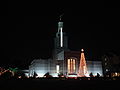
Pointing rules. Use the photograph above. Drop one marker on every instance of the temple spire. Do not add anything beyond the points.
(60, 30)
(61, 16)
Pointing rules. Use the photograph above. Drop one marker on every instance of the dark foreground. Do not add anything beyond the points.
(56, 84)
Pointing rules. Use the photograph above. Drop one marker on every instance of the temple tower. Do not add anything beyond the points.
(61, 40)
(60, 46)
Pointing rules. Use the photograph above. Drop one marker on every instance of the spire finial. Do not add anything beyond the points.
(61, 16)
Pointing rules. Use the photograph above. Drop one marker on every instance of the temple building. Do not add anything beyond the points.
(64, 60)
(111, 65)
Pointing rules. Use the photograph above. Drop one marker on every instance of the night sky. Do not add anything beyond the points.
(27, 31)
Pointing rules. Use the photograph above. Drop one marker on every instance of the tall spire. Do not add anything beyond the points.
(60, 23)
(83, 67)
(60, 30)
(61, 40)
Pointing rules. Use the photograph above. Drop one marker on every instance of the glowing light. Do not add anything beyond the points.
(61, 38)
(68, 65)
(57, 68)
(74, 65)
(82, 50)
(19, 77)
(116, 74)
(71, 66)
(106, 69)
(54, 74)
(83, 67)
(72, 76)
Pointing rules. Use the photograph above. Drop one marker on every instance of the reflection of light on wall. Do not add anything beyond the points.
(27, 74)
(61, 38)
(57, 68)
(74, 65)
(68, 65)
(40, 67)
(95, 72)
(87, 75)
(54, 74)
(71, 66)
(40, 73)
(95, 67)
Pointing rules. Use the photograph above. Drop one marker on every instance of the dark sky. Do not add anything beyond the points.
(27, 31)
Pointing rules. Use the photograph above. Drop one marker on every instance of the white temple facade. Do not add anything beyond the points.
(64, 60)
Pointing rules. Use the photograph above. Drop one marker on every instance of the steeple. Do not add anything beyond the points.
(60, 30)
(61, 16)
(61, 40)
(60, 23)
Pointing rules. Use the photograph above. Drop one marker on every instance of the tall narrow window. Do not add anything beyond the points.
(71, 69)
(71, 66)
(68, 65)
(61, 38)
(74, 65)
(57, 68)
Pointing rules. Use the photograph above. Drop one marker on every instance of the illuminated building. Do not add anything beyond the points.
(64, 60)
(111, 65)
(39, 66)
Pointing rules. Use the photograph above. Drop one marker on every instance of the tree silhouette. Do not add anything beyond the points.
(91, 74)
(35, 75)
(98, 75)
(47, 75)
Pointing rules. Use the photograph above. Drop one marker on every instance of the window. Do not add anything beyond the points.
(105, 59)
(57, 68)
(71, 65)
(106, 69)
(105, 63)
